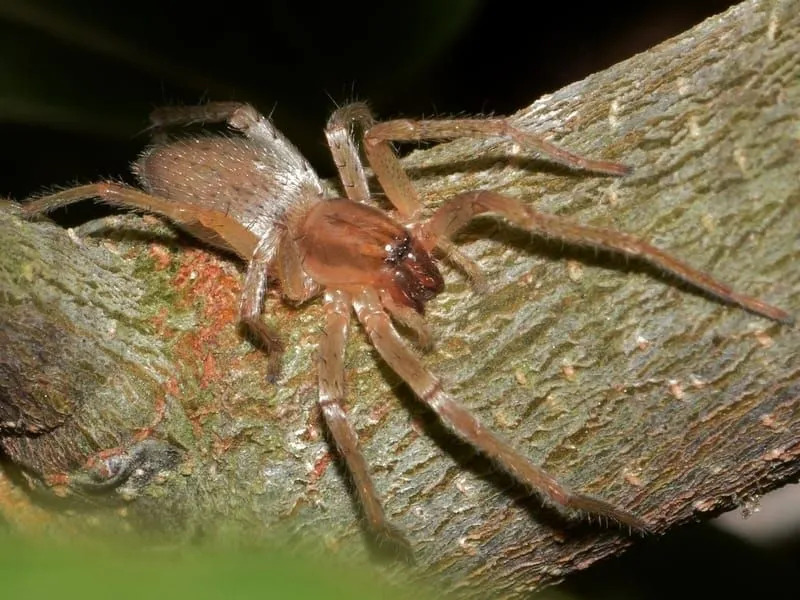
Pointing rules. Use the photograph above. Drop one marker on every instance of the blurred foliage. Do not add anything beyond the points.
(34, 569)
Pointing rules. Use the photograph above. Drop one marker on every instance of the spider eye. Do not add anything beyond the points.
(398, 252)
(415, 278)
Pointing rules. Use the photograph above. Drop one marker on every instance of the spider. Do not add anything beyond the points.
(252, 192)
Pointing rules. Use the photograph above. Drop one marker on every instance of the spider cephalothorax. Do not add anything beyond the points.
(254, 194)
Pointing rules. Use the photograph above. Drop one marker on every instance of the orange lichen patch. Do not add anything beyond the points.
(160, 408)
(98, 462)
(319, 468)
(379, 411)
(768, 420)
(313, 429)
(58, 483)
(172, 388)
(160, 323)
(568, 371)
(160, 255)
(201, 277)
(197, 418)
(204, 283)
(210, 372)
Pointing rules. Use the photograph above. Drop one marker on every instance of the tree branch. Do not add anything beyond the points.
(616, 379)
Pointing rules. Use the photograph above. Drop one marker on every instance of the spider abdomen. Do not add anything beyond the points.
(250, 183)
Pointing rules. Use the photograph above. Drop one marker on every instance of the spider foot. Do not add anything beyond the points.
(609, 512)
(390, 542)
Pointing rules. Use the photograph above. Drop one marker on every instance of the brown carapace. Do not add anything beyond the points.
(253, 193)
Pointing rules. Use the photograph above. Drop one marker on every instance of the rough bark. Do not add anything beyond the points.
(621, 382)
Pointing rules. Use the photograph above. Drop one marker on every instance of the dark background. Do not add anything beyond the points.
(78, 78)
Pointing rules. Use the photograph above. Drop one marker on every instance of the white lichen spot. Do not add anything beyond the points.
(467, 546)
(694, 127)
(569, 371)
(192, 275)
(462, 486)
(741, 160)
(574, 270)
(684, 86)
(772, 26)
(676, 389)
(633, 479)
(613, 111)
(520, 377)
(708, 223)
(642, 342)
(704, 505)
(504, 419)
(763, 338)
(612, 197)
(769, 421)
(697, 382)
(74, 237)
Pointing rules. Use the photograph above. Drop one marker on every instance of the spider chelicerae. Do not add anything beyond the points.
(254, 194)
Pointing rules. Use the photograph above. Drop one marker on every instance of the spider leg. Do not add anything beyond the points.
(464, 263)
(331, 395)
(209, 226)
(211, 112)
(465, 425)
(396, 183)
(252, 302)
(456, 212)
(339, 133)
(408, 130)
(240, 116)
(380, 155)
(410, 318)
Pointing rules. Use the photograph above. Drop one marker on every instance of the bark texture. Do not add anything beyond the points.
(120, 360)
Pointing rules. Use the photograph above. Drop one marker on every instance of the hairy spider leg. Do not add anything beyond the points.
(210, 226)
(331, 397)
(344, 150)
(251, 305)
(465, 425)
(396, 182)
(459, 210)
